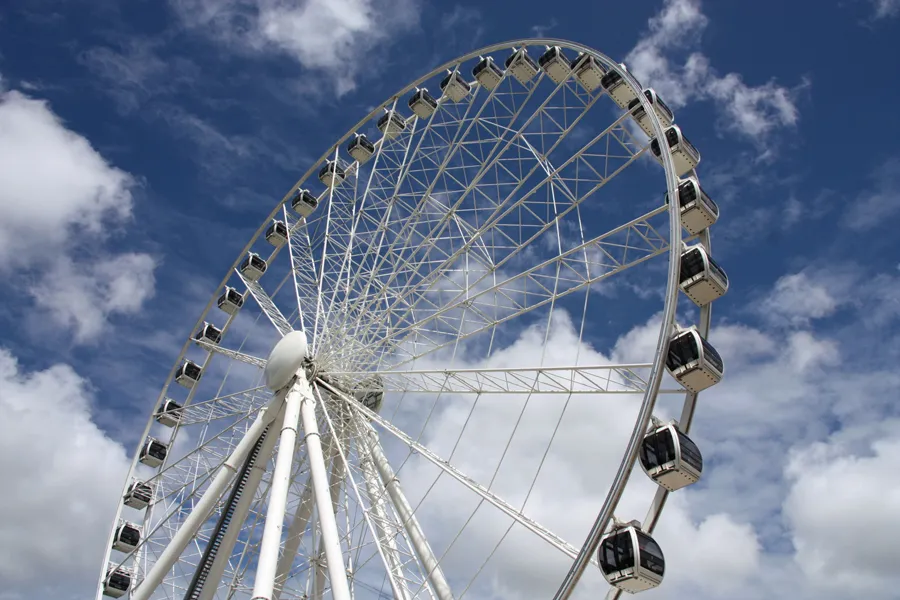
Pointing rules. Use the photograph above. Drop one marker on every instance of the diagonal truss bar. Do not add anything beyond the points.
(233, 354)
(489, 496)
(243, 402)
(267, 305)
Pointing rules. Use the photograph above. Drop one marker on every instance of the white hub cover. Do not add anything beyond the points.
(285, 360)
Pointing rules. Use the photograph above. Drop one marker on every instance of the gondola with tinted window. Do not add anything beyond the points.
(253, 266)
(360, 148)
(153, 452)
(127, 537)
(188, 374)
(230, 301)
(209, 333)
(277, 233)
(422, 103)
(117, 582)
(685, 156)
(698, 211)
(662, 110)
(555, 64)
(701, 279)
(618, 89)
(332, 174)
(390, 124)
(521, 65)
(630, 559)
(692, 361)
(138, 495)
(670, 458)
(588, 71)
(454, 86)
(487, 73)
(169, 413)
(303, 202)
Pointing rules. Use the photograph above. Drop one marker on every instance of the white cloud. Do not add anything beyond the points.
(60, 199)
(837, 500)
(328, 36)
(83, 298)
(799, 298)
(751, 111)
(878, 203)
(62, 478)
(886, 8)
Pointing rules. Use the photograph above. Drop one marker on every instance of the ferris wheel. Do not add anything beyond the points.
(375, 314)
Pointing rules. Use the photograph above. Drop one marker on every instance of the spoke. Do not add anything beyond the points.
(232, 354)
(489, 496)
(267, 305)
(221, 407)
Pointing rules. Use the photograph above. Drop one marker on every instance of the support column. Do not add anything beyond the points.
(337, 477)
(413, 530)
(207, 502)
(264, 584)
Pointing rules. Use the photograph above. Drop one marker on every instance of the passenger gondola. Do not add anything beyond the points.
(521, 66)
(702, 280)
(188, 374)
(361, 149)
(169, 413)
(332, 174)
(303, 202)
(555, 64)
(662, 110)
(422, 103)
(698, 211)
(253, 266)
(670, 458)
(390, 124)
(117, 582)
(685, 156)
(209, 333)
(693, 362)
(370, 393)
(487, 73)
(127, 537)
(230, 301)
(277, 233)
(153, 452)
(630, 559)
(138, 495)
(454, 86)
(618, 89)
(588, 71)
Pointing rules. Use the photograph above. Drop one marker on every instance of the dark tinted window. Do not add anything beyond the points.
(657, 449)
(617, 552)
(129, 535)
(610, 80)
(651, 554)
(687, 193)
(672, 137)
(718, 271)
(712, 357)
(690, 147)
(691, 264)
(682, 350)
(690, 453)
(712, 206)
(665, 109)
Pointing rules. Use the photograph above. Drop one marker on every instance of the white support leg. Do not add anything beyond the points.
(337, 477)
(340, 588)
(294, 536)
(217, 570)
(207, 502)
(264, 584)
(384, 537)
(413, 530)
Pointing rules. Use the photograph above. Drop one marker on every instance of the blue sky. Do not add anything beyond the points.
(141, 146)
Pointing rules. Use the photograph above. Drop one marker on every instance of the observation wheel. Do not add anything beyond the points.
(426, 304)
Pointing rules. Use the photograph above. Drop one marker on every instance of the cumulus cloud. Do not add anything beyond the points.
(325, 36)
(751, 111)
(886, 8)
(63, 477)
(880, 201)
(60, 200)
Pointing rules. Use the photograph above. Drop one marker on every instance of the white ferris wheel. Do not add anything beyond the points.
(482, 198)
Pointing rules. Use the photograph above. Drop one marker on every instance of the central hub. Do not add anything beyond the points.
(286, 358)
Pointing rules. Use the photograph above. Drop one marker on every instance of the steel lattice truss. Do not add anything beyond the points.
(498, 213)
